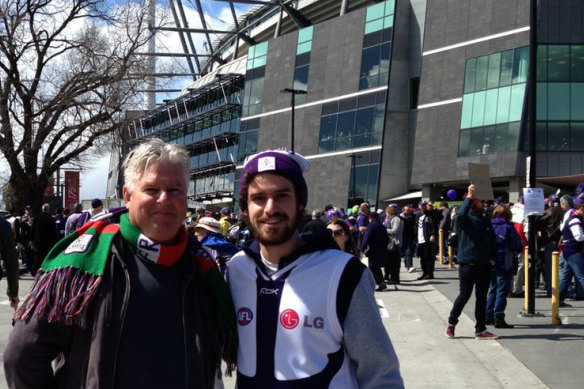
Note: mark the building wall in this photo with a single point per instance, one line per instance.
(442, 78)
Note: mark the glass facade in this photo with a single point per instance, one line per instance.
(254, 79)
(375, 57)
(492, 104)
(364, 177)
(560, 92)
(302, 66)
(351, 123)
(248, 139)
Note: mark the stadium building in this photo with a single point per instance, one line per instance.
(401, 95)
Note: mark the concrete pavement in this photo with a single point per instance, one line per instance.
(532, 355)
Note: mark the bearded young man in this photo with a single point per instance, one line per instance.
(306, 312)
(137, 304)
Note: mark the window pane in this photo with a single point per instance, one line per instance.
(372, 187)
(463, 143)
(376, 25)
(482, 70)
(388, 21)
(370, 61)
(470, 74)
(301, 78)
(466, 116)
(517, 97)
(362, 140)
(379, 118)
(540, 136)
(261, 49)
(478, 109)
(559, 63)
(558, 101)
(501, 131)
(520, 65)
(577, 136)
(361, 180)
(491, 107)
(577, 63)
(476, 141)
(513, 136)
(345, 124)
(326, 146)
(506, 68)
(494, 70)
(375, 12)
(576, 101)
(558, 136)
(542, 53)
(305, 34)
(542, 101)
(328, 125)
(364, 122)
(343, 143)
(489, 140)
(384, 59)
(304, 47)
(503, 104)
(260, 61)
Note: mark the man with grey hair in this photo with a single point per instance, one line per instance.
(572, 260)
(134, 304)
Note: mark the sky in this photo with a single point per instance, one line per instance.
(94, 181)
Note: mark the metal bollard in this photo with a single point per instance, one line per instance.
(556, 321)
(441, 245)
(526, 281)
(450, 257)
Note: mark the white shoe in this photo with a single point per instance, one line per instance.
(412, 270)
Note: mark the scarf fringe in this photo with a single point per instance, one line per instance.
(228, 342)
(60, 296)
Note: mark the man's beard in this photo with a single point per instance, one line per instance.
(275, 237)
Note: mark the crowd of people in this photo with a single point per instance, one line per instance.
(113, 288)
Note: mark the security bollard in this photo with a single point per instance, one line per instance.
(450, 257)
(526, 280)
(441, 245)
(556, 321)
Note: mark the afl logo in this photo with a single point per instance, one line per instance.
(289, 319)
(244, 316)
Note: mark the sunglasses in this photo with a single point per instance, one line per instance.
(337, 232)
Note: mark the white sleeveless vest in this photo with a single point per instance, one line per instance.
(289, 331)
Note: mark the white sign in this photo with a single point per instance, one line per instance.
(533, 201)
(527, 171)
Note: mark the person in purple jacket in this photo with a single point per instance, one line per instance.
(508, 244)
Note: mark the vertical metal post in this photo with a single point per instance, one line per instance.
(450, 257)
(526, 276)
(532, 99)
(556, 321)
(293, 96)
(441, 245)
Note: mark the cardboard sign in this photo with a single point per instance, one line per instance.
(480, 177)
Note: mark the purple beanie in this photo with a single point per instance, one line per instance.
(288, 164)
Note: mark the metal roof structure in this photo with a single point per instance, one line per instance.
(252, 21)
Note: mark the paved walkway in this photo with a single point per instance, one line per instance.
(532, 355)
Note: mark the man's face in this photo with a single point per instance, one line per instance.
(200, 233)
(422, 209)
(158, 203)
(564, 207)
(272, 209)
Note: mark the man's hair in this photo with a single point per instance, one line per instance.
(46, 208)
(151, 152)
(391, 210)
(364, 207)
(502, 210)
(567, 200)
(78, 208)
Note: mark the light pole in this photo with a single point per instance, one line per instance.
(293, 92)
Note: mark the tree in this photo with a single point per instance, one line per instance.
(64, 84)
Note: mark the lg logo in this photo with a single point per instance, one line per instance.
(290, 319)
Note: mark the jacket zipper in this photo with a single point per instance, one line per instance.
(185, 330)
(124, 309)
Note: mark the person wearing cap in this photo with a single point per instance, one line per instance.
(208, 232)
(548, 230)
(96, 209)
(300, 302)
(477, 254)
(426, 232)
(134, 304)
(224, 220)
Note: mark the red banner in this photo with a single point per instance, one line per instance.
(71, 189)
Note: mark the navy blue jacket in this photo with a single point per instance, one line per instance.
(508, 243)
(477, 243)
(375, 241)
